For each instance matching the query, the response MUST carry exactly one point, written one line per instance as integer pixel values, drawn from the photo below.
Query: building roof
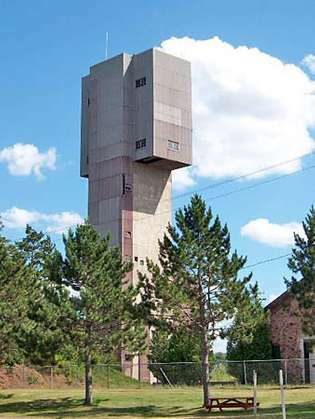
(278, 301)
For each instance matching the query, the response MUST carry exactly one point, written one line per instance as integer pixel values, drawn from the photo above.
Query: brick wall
(286, 330)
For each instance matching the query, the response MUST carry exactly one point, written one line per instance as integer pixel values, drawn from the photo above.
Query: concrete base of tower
(137, 367)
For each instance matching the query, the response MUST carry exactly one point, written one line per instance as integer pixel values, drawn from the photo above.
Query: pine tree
(196, 284)
(105, 303)
(16, 288)
(249, 337)
(49, 305)
(301, 285)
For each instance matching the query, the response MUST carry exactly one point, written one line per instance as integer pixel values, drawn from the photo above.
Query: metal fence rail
(296, 371)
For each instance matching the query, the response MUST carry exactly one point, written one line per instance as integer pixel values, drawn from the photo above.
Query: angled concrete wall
(135, 129)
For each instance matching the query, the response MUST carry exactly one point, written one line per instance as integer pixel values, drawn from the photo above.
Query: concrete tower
(136, 128)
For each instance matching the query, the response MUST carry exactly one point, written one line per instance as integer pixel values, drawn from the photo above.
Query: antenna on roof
(106, 46)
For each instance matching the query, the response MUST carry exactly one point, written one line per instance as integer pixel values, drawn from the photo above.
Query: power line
(261, 262)
(226, 194)
(244, 176)
(304, 169)
(235, 179)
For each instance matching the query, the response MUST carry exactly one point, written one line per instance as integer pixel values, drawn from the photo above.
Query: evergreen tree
(196, 284)
(301, 285)
(16, 288)
(178, 354)
(249, 338)
(49, 304)
(105, 302)
(176, 347)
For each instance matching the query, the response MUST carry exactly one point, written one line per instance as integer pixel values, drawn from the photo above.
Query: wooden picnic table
(230, 402)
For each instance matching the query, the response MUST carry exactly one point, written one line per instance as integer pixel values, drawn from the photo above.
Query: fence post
(255, 392)
(282, 394)
(245, 373)
(286, 372)
(51, 377)
(23, 374)
(108, 373)
(139, 370)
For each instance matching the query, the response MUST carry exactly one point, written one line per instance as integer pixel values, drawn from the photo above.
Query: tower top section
(137, 106)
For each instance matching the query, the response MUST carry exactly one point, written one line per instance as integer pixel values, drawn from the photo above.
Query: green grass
(154, 402)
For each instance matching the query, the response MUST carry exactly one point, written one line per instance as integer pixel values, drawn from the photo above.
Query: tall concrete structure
(136, 128)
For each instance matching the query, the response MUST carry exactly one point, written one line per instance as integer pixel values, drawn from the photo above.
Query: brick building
(288, 339)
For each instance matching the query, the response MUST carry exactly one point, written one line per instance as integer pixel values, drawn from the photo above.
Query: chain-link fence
(136, 374)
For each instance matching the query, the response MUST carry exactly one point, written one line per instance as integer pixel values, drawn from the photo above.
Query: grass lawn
(148, 402)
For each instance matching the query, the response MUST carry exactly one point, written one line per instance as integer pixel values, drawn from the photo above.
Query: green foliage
(196, 286)
(48, 306)
(249, 338)
(301, 285)
(259, 347)
(104, 315)
(16, 289)
(103, 309)
(177, 347)
(32, 379)
(42, 323)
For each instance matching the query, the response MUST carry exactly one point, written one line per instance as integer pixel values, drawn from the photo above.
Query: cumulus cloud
(276, 235)
(26, 159)
(17, 218)
(309, 62)
(182, 179)
(250, 110)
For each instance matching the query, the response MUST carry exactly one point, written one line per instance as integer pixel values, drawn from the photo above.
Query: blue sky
(46, 47)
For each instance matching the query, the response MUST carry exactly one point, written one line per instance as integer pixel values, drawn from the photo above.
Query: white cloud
(182, 179)
(250, 110)
(17, 218)
(276, 235)
(309, 62)
(26, 159)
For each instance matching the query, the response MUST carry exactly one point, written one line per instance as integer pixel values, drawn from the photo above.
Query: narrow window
(141, 82)
(141, 262)
(173, 145)
(141, 143)
(136, 258)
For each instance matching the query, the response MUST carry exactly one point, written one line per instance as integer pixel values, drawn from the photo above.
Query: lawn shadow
(5, 396)
(71, 407)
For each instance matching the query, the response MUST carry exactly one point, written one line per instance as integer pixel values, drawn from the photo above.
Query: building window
(173, 145)
(88, 102)
(142, 262)
(141, 143)
(141, 82)
(136, 258)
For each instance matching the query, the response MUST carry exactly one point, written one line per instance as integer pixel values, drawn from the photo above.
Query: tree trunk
(88, 378)
(205, 368)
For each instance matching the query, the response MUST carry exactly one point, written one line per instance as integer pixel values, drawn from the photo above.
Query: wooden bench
(230, 402)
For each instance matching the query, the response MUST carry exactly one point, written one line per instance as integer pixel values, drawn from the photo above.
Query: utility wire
(223, 195)
(244, 176)
(261, 262)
